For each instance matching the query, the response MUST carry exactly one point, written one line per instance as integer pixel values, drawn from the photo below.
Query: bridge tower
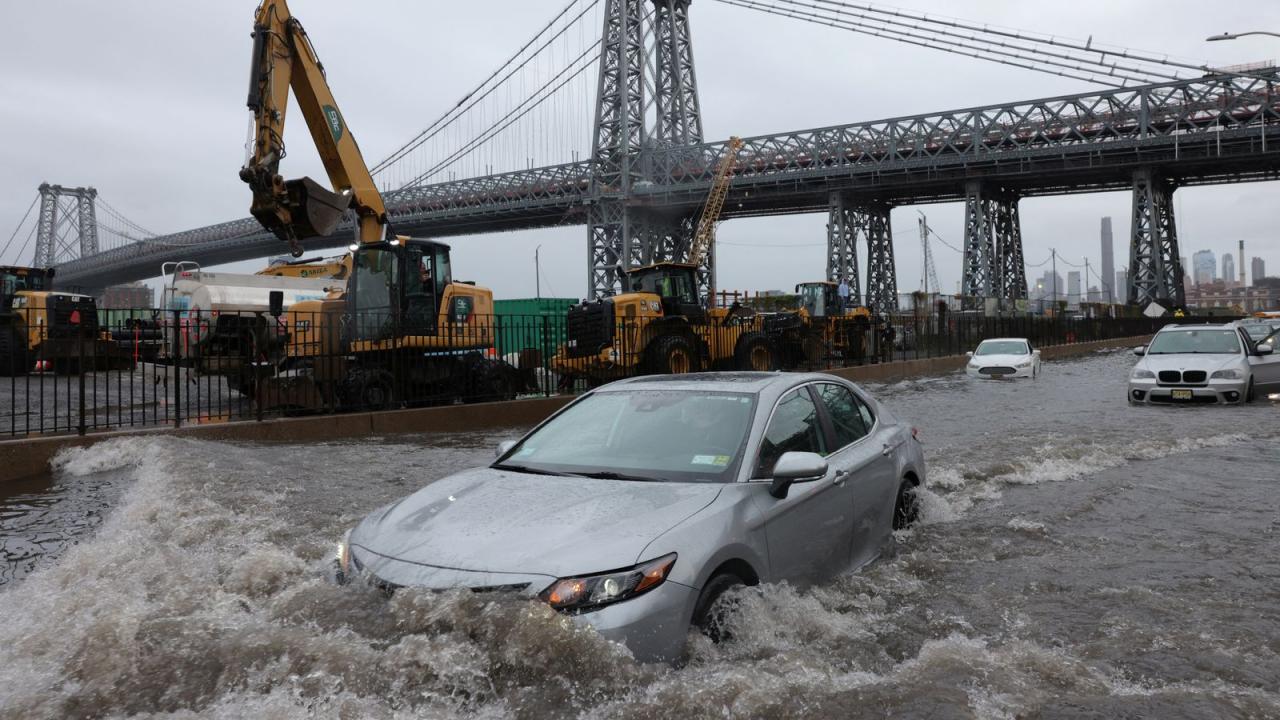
(844, 225)
(68, 227)
(993, 260)
(1155, 268)
(637, 35)
(848, 220)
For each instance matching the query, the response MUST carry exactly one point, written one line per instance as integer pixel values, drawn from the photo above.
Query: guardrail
(146, 368)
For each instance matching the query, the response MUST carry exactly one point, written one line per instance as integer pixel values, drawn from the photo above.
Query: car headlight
(1140, 374)
(1225, 375)
(588, 592)
(1025, 364)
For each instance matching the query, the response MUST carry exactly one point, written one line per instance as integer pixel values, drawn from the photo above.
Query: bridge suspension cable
(535, 108)
(993, 50)
(21, 222)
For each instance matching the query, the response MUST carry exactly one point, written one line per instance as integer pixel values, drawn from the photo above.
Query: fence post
(80, 376)
(546, 361)
(177, 368)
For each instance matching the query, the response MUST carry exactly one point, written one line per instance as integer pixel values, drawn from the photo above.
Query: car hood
(493, 521)
(1005, 360)
(1188, 361)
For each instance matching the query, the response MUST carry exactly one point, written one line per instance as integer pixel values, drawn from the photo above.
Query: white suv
(1203, 364)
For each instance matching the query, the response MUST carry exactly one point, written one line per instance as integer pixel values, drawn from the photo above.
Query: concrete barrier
(29, 457)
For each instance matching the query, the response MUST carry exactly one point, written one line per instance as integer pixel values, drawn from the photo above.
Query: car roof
(1201, 326)
(1003, 340)
(761, 383)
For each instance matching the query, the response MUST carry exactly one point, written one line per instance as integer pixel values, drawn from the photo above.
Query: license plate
(1181, 394)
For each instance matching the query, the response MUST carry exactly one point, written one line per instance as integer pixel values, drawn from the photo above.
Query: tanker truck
(224, 325)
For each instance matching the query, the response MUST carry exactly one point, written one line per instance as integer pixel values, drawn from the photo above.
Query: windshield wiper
(610, 475)
(526, 469)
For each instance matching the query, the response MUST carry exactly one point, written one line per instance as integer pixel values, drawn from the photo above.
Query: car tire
(712, 607)
(906, 509)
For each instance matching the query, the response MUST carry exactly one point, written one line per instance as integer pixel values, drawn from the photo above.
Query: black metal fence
(147, 368)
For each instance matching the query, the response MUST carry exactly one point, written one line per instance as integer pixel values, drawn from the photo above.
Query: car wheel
(906, 511)
(714, 608)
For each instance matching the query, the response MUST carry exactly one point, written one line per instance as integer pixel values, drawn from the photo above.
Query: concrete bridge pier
(1155, 267)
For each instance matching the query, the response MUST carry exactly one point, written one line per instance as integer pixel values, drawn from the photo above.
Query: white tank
(205, 292)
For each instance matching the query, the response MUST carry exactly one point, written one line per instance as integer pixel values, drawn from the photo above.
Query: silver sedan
(635, 508)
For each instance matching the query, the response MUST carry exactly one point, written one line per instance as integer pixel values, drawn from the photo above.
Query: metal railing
(149, 368)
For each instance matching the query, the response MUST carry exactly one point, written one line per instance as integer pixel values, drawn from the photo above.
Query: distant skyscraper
(1073, 287)
(1122, 287)
(1108, 260)
(1259, 270)
(1095, 295)
(1206, 267)
(1229, 269)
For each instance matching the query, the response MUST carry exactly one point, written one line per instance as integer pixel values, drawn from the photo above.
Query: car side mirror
(504, 447)
(969, 354)
(1264, 349)
(1140, 350)
(275, 300)
(794, 467)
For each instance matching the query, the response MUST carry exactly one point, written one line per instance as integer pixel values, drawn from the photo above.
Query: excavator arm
(706, 232)
(283, 58)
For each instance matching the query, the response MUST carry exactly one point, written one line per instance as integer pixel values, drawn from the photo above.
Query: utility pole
(537, 273)
(1085, 289)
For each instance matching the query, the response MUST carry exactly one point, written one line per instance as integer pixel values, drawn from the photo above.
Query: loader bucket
(316, 210)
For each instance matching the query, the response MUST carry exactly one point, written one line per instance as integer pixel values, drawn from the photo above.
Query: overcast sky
(145, 102)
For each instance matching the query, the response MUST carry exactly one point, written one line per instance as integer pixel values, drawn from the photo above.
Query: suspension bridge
(543, 141)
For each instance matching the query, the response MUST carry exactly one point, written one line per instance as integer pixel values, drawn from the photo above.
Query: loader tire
(671, 355)
(369, 390)
(755, 352)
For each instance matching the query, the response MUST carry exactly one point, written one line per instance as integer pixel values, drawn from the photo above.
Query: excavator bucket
(316, 210)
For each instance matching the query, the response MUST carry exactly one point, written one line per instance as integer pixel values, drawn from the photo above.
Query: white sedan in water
(1004, 358)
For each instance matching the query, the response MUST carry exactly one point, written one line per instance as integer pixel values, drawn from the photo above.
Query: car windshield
(1002, 347)
(662, 435)
(1197, 342)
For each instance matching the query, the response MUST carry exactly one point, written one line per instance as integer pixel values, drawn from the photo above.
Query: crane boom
(706, 233)
(283, 58)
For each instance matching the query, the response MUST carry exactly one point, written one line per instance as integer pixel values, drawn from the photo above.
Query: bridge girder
(1155, 267)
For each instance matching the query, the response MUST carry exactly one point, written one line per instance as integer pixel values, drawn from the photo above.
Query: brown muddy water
(1078, 558)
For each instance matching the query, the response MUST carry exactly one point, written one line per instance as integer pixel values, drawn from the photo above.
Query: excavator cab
(820, 299)
(397, 287)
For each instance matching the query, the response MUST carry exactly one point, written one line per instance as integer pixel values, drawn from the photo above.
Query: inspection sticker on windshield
(720, 460)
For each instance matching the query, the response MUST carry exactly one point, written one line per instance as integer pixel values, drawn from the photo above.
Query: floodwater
(1078, 558)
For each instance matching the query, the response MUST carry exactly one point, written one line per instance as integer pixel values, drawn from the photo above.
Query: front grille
(588, 328)
(1171, 377)
(997, 370)
(1190, 377)
(1194, 376)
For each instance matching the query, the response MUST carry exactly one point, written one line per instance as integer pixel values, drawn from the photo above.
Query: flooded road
(1078, 558)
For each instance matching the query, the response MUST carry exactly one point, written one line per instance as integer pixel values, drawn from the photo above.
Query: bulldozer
(821, 328)
(40, 325)
(397, 328)
(658, 324)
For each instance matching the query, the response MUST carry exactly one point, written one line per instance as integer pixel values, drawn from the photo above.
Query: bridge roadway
(1204, 131)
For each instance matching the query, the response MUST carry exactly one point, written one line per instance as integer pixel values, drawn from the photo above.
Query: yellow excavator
(39, 325)
(658, 324)
(329, 268)
(400, 330)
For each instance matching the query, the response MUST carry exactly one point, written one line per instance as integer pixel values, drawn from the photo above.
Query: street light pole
(1233, 36)
(537, 272)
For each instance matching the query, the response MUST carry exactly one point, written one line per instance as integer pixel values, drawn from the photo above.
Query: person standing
(842, 290)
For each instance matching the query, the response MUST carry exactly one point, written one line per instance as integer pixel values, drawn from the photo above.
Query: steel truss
(1203, 130)
(1155, 268)
(67, 228)
(993, 261)
(843, 223)
(882, 276)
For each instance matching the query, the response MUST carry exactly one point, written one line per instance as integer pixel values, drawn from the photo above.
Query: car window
(793, 428)
(1203, 342)
(670, 435)
(847, 416)
(1003, 347)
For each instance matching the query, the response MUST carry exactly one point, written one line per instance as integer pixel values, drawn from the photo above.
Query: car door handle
(888, 449)
(840, 477)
